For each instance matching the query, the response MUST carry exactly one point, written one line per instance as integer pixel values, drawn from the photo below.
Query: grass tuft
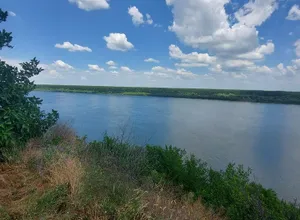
(54, 201)
(66, 170)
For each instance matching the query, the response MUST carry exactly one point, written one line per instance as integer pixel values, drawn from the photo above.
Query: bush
(20, 115)
(229, 191)
(115, 154)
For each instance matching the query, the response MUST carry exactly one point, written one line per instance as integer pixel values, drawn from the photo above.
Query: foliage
(214, 94)
(20, 115)
(5, 37)
(109, 190)
(230, 190)
(113, 153)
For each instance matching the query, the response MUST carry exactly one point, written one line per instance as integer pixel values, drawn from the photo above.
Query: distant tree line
(215, 94)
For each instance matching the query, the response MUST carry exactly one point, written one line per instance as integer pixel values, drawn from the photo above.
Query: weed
(66, 170)
(51, 202)
(109, 190)
(134, 208)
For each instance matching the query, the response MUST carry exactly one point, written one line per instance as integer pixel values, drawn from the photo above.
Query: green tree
(20, 115)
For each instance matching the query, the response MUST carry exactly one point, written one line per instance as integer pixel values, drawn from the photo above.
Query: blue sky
(162, 43)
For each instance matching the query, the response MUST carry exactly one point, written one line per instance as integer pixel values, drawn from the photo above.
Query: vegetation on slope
(61, 176)
(215, 94)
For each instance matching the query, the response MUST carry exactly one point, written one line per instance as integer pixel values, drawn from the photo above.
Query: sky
(232, 44)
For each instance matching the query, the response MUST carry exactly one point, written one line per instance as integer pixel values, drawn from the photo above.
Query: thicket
(20, 115)
(117, 180)
(230, 192)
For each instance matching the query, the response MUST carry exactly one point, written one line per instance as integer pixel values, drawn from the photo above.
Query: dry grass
(66, 170)
(17, 184)
(95, 212)
(163, 204)
(31, 152)
(61, 131)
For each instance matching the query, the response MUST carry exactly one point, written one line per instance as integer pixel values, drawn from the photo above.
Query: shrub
(115, 154)
(106, 190)
(230, 190)
(20, 115)
(178, 167)
(60, 132)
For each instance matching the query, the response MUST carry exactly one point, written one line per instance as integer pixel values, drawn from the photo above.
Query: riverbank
(279, 97)
(61, 176)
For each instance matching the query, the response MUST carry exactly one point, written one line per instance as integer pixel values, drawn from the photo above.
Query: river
(264, 137)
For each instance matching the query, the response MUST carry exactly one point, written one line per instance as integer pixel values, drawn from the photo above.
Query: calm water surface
(265, 137)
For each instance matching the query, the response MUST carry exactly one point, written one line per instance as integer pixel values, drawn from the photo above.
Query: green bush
(20, 115)
(107, 188)
(115, 154)
(229, 191)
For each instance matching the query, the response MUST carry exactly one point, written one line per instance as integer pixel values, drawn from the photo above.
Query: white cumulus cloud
(118, 41)
(281, 68)
(111, 63)
(94, 67)
(11, 13)
(171, 73)
(126, 69)
(73, 47)
(259, 53)
(61, 64)
(290, 70)
(294, 13)
(238, 63)
(151, 60)
(260, 69)
(254, 13)
(137, 16)
(89, 5)
(188, 65)
(204, 24)
(193, 59)
(296, 62)
(149, 19)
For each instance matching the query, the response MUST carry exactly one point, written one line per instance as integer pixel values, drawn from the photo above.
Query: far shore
(258, 96)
